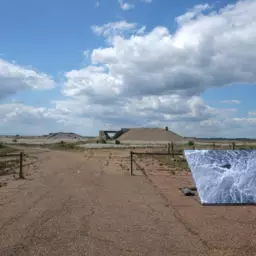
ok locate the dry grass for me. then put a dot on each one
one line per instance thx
(4, 149)
(66, 146)
(8, 166)
(177, 163)
(62, 145)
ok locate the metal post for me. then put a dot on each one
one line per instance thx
(172, 149)
(21, 176)
(168, 148)
(131, 154)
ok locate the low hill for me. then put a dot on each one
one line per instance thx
(64, 135)
(149, 134)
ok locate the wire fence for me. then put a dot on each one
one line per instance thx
(10, 162)
(174, 149)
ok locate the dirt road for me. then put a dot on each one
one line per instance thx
(87, 204)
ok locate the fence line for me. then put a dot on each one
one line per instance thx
(171, 151)
(21, 156)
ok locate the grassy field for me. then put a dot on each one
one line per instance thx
(8, 165)
(5, 149)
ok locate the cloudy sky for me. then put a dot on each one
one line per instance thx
(86, 65)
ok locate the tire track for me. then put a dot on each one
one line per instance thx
(169, 205)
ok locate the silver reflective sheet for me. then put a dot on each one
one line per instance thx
(224, 176)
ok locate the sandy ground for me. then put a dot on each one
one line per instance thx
(88, 204)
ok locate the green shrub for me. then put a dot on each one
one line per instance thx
(191, 143)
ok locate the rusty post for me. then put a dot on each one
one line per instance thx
(21, 176)
(131, 154)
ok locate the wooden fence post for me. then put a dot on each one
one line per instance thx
(168, 148)
(21, 176)
(233, 145)
(172, 149)
(131, 155)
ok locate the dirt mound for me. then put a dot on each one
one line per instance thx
(150, 134)
(64, 135)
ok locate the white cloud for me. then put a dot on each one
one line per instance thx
(189, 117)
(140, 111)
(14, 78)
(211, 51)
(252, 113)
(125, 6)
(18, 118)
(231, 101)
(113, 28)
(156, 78)
(192, 14)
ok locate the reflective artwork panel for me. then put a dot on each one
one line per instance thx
(224, 176)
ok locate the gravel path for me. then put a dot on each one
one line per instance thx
(87, 204)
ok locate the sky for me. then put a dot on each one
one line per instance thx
(86, 65)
